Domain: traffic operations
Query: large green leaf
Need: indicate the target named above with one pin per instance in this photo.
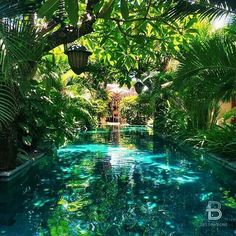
(48, 8)
(106, 10)
(124, 8)
(72, 8)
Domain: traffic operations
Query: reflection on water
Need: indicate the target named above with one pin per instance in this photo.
(119, 183)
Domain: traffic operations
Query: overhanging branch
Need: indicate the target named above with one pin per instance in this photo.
(68, 34)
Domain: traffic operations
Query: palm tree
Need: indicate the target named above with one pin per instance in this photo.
(20, 48)
(22, 45)
(207, 75)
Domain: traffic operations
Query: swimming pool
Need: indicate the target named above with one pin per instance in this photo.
(120, 182)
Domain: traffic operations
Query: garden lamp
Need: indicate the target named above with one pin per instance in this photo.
(139, 86)
(78, 57)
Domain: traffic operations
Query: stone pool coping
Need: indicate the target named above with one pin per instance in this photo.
(22, 168)
(230, 165)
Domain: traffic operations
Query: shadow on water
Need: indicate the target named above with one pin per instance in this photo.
(119, 182)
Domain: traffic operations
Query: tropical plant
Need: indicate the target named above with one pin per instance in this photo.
(19, 50)
(204, 78)
(25, 35)
(218, 67)
(136, 110)
(8, 104)
(218, 139)
(51, 117)
(229, 115)
(53, 108)
(20, 47)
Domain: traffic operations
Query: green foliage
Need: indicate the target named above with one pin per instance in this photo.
(171, 117)
(107, 9)
(124, 9)
(229, 199)
(11, 8)
(205, 9)
(52, 7)
(218, 139)
(200, 102)
(130, 38)
(99, 76)
(137, 110)
(204, 78)
(8, 104)
(132, 48)
(230, 114)
(170, 11)
(72, 7)
(53, 109)
(19, 49)
(48, 8)
(50, 116)
(213, 62)
(128, 109)
(136, 37)
(101, 107)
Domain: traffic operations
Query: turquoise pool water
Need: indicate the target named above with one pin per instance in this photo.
(120, 182)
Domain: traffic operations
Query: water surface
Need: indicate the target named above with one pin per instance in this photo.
(119, 182)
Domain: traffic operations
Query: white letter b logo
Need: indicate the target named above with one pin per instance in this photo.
(214, 207)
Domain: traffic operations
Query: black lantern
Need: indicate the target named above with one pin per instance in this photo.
(139, 86)
(147, 82)
(78, 58)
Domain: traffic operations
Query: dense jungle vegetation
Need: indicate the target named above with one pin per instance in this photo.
(182, 65)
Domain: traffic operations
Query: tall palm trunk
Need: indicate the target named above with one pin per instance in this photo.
(8, 149)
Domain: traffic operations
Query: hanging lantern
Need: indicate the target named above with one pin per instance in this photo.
(148, 83)
(139, 86)
(78, 58)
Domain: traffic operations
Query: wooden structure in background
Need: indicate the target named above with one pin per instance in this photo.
(116, 94)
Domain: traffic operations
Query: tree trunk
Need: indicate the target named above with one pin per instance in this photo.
(8, 149)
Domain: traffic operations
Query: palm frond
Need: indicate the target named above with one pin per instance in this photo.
(19, 44)
(12, 8)
(213, 61)
(20, 48)
(8, 104)
(184, 8)
(206, 75)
